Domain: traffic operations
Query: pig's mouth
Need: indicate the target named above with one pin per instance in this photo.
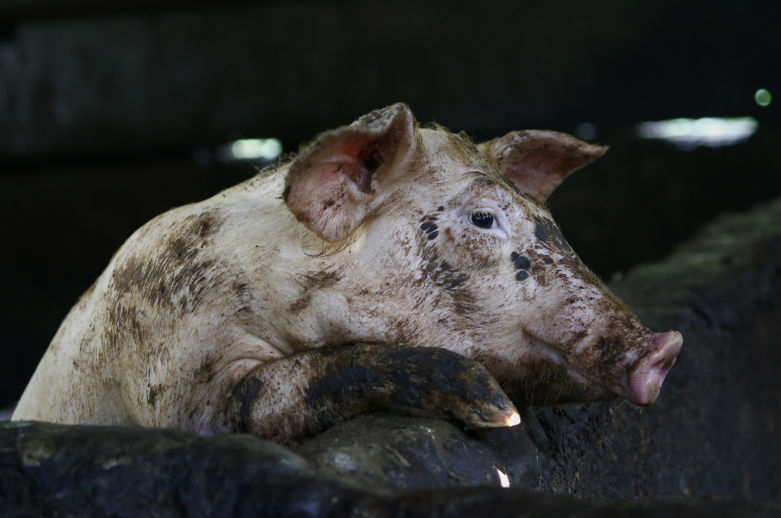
(640, 382)
(561, 382)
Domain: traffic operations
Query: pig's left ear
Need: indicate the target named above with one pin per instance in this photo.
(537, 161)
(331, 185)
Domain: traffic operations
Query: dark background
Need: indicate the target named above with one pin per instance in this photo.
(109, 115)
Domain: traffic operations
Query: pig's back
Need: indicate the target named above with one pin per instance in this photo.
(65, 387)
(148, 318)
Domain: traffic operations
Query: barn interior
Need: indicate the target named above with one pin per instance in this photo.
(112, 114)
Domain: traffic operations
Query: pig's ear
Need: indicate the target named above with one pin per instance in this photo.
(329, 185)
(537, 161)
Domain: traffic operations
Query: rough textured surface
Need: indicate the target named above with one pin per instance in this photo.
(103, 471)
(712, 435)
(714, 431)
(423, 453)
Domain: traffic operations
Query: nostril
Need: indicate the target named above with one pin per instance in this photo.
(668, 343)
(661, 368)
(666, 364)
(668, 347)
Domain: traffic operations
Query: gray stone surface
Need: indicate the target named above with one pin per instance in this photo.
(54, 470)
(422, 453)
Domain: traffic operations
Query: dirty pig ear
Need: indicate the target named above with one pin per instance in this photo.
(329, 185)
(537, 161)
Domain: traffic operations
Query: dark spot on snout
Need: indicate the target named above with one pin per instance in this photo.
(430, 228)
(244, 397)
(521, 262)
(328, 204)
(285, 193)
(541, 232)
(549, 234)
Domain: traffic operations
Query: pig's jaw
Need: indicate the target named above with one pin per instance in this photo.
(637, 380)
(560, 379)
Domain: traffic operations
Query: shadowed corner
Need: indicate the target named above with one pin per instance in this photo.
(7, 411)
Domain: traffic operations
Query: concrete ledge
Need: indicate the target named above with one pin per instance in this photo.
(105, 471)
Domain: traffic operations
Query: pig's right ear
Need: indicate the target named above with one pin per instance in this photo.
(537, 161)
(331, 185)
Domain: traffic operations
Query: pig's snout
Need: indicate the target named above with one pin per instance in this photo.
(647, 377)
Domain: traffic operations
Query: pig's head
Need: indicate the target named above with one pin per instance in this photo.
(437, 241)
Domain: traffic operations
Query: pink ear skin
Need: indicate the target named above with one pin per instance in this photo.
(329, 185)
(537, 161)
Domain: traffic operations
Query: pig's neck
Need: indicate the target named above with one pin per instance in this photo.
(305, 290)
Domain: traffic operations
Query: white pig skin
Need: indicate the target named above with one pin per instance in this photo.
(210, 317)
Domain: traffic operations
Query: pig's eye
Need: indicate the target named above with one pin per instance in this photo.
(482, 219)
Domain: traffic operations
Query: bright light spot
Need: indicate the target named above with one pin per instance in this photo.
(708, 131)
(762, 97)
(504, 480)
(256, 148)
(513, 420)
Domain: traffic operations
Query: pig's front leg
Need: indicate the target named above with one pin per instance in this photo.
(308, 392)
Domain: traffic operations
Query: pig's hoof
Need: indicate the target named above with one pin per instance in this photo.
(505, 419)
(436, 382)
(496, 411)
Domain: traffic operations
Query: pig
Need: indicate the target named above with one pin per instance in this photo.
(386, 266)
